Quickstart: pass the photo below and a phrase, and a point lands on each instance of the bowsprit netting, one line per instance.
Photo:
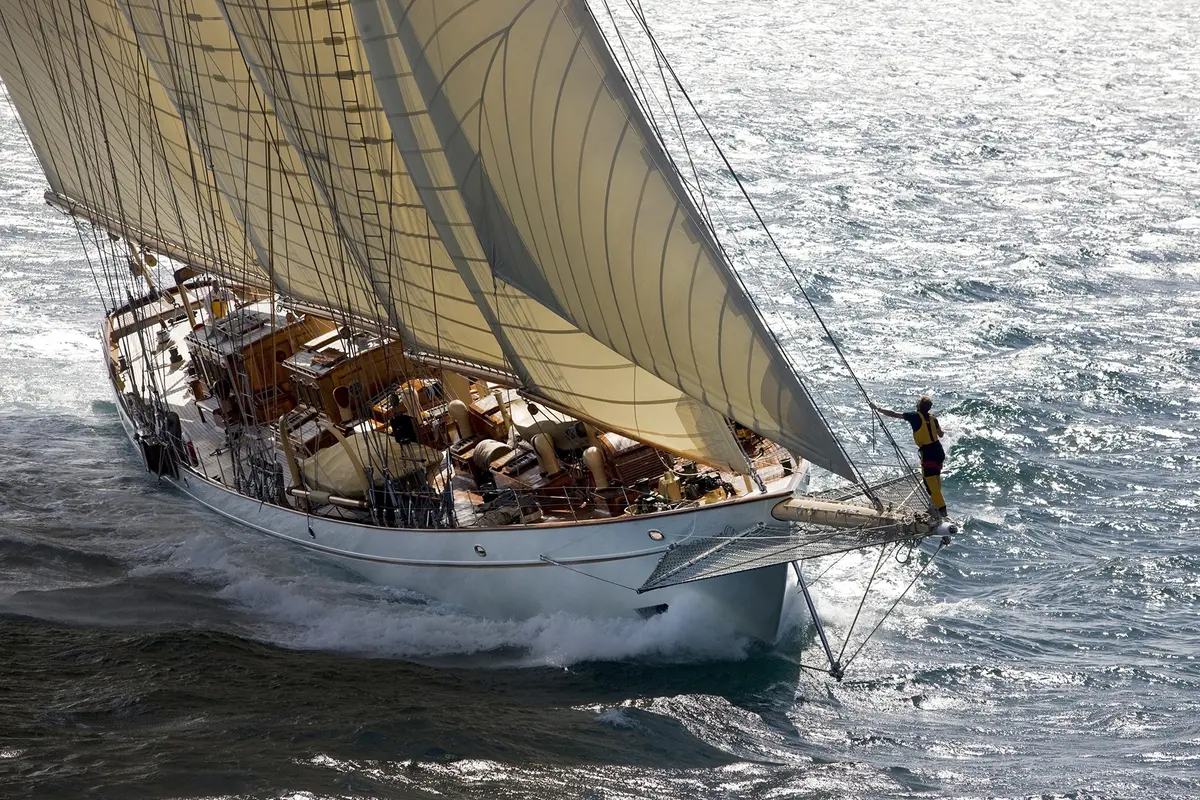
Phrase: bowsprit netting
(765, 545)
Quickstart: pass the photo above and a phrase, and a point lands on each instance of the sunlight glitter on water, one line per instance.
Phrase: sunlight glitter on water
(992, 201)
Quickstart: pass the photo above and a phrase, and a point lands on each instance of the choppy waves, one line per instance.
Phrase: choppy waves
(994, 203)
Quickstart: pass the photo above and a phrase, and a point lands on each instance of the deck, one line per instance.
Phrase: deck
(150, 361)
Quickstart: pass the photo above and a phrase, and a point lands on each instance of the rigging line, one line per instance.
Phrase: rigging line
(357, 246)
(197, 138)
(72, 117)
(813, 668)
(86, 175)
(186, 81)
(327, 187)
(644, 103)
(549, 560)
(338, 31)
(195, 94)
(825, 571)
(263, 74)
(139, 255)
(699, 187)
(91, 268)
(641, 16)
(721, 258)
(741, 186)
(170, 78)
(745, 194)
(83, 175)
(437, 326)
(277, 146)
(158, 147)
(862, 601)
(641, 93)
(370, 202)
(941, 545)
(392, 246)
(270, 188)
(268, 176)
(144, 134)
(141, 178)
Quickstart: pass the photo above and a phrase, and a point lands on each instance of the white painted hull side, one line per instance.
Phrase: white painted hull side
(597, 565)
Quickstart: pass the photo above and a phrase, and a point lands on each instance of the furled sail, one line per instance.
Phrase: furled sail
(111, 143)
(522, 130)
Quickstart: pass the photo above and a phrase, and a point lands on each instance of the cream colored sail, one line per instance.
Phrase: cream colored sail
(291, 151)
(312, 67)
(291, 77)
(569, 367)
(521, 130)
(201, 67)
(107, 136)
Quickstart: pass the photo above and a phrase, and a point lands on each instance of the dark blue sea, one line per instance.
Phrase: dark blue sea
(996, 202)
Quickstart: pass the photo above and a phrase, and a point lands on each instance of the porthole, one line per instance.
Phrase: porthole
(479, 551)
(655, 534)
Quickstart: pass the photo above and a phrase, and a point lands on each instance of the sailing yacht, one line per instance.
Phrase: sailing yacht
(419, 286)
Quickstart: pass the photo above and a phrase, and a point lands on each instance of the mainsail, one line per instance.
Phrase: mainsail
(473, 175)
(313, 68)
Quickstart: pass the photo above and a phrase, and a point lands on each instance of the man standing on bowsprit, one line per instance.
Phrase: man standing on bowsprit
(927, 433)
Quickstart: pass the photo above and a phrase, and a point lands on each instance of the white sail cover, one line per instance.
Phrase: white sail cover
(574, 201)
(106, 134)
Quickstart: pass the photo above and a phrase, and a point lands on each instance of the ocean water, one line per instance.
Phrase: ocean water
(995, 202)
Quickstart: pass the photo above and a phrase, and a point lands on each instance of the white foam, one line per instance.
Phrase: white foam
(293, 601)
(619, 718)
(377, 627)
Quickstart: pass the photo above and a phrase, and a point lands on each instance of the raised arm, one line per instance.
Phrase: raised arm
(887, 412)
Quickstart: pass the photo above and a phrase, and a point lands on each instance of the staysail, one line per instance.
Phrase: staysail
(573, 199)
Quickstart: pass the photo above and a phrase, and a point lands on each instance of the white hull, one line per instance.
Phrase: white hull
(597, 565)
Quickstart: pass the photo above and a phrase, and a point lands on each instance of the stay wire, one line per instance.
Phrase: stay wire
(941, 545)
(862, 602)
(762, 223)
